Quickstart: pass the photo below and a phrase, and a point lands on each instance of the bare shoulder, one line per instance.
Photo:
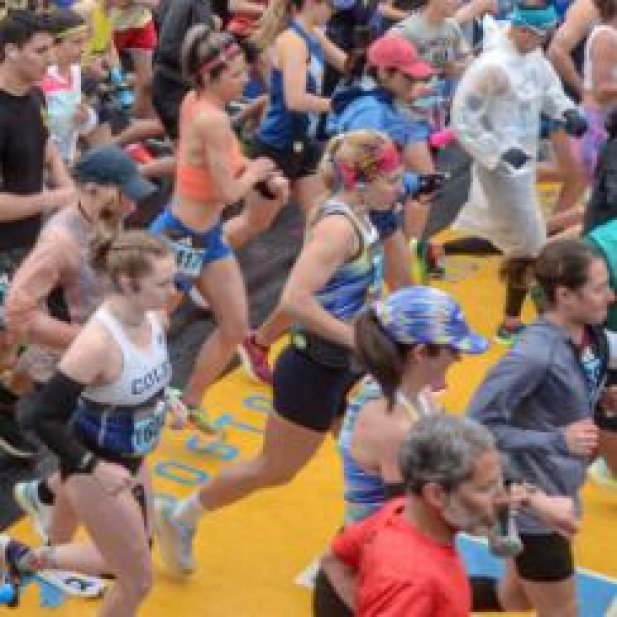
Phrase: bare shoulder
(91, 358)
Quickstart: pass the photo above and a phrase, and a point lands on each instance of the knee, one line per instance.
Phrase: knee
(276, 474)
(138, 585)
(233, 329)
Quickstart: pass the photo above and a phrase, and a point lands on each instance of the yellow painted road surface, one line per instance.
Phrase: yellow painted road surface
(250, 553)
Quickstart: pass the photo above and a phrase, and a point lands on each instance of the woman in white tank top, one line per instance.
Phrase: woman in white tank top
(599, 80)
(101, 413)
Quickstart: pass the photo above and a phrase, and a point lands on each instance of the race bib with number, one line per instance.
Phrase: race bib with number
(188, 259)
(147, 428)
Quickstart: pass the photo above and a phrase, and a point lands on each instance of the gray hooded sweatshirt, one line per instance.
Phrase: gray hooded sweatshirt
(529, 397)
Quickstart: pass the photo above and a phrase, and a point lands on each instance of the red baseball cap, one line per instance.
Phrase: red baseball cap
(394, 52)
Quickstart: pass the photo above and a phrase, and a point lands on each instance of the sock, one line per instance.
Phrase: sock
(484, 594)
(515, 298)
(189, 511)
(45, 496)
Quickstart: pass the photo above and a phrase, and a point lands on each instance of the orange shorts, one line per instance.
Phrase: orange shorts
(143, 39)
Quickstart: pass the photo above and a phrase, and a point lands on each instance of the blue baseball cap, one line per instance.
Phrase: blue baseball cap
(110, 165)
(413, 315)
(539, 19)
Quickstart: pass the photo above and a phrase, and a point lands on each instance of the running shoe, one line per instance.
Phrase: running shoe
(12, 439)
(601, 475)
(27, 496)
(254, 359)
(199, 418)
(12, 554)
(507, 335)
(175, 539)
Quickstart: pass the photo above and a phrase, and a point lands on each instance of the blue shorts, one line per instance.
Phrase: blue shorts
(194, 250)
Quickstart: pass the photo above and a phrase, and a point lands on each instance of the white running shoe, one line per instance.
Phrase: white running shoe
(175, 539)
(601, 475)
(26, 495)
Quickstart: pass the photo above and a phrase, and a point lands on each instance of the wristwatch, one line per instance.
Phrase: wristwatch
(86, 464)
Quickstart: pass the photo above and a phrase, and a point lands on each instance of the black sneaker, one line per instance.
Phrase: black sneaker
(12, 439)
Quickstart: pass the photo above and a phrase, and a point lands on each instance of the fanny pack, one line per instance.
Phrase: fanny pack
(321, 350)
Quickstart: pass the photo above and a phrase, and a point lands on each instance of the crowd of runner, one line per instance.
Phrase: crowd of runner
(341, 109)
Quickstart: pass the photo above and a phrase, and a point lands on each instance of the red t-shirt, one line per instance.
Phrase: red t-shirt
(401, 571)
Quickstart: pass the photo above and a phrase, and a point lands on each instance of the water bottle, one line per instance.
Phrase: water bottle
(505, 541)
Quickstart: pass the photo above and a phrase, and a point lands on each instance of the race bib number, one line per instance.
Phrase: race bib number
(188, 259)
(147, 428)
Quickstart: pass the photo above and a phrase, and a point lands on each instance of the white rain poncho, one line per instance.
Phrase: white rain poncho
(497, 106)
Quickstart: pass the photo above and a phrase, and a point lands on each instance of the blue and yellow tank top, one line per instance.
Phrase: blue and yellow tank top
(360, 280)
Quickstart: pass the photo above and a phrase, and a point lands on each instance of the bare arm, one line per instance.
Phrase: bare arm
(59, 174)
(574, 29)
(245, 6)
(604, 60)
(332, 242)
(335, 56)
(341, 577)
(15, 207)
(292, 56)
(475, 9)
(35, 279)
(215, 130)
(389, 11)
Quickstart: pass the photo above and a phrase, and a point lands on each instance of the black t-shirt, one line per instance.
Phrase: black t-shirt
(23, 138)
(175, 17)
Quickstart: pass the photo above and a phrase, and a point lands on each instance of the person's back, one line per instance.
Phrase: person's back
(401, 569)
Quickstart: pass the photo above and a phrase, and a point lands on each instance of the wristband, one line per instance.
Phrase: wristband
(86, 464)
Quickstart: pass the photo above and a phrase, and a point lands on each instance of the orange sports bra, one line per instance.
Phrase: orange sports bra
(196, 181)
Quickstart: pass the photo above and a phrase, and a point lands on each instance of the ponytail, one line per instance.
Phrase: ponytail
(384, 358)
(273, 21)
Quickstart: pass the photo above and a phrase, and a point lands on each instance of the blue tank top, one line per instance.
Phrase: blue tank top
(281, 127)
(359, 280)
(365, 492)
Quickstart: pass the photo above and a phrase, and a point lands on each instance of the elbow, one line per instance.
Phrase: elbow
(295, 102)
(294, 303)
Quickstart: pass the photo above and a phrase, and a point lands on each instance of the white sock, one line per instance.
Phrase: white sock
(189, 510)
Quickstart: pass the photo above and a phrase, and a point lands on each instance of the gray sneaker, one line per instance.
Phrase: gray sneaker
(175, 539)
(26, 495)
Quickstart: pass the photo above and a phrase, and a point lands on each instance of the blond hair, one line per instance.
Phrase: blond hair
(357, 150)
(273, 21)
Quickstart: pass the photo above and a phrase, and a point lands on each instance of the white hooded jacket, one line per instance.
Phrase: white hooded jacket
(500, 98)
